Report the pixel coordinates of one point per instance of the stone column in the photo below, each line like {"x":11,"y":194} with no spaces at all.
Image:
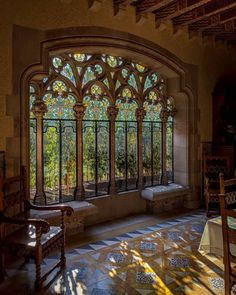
{"x":39,"y":109}
{"x":140,"y":114}
{"x":164,"y":117}
{"x":112,"y":112}
{"x":79,"y":110}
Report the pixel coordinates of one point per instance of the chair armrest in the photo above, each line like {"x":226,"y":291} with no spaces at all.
{"x":38,"y":223}
{"x":63,"y":208}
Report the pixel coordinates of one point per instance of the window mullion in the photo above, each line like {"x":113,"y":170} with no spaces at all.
{"x":140,"y":113}
{"x":112,"y":112}
{"x":79,"y":109}
{"x":39,"y":109}
{"x":163,"y":135}
{"x":96,"y":157}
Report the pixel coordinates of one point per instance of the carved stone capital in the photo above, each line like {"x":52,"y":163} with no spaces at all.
{"x":79,"y":110}
{"x":39,"y":108}
{"x":112,"y":112}
{"x":140,"y":114}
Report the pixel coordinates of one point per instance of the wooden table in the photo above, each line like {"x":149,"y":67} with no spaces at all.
{"x":212,"y":240}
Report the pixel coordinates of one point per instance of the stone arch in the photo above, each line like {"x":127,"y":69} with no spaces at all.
{"x":181,"y":79}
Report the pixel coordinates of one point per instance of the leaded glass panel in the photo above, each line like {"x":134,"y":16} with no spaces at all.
{"x":59,"y":104}
{"x":96,"y":109}
{"x":33,"y":154}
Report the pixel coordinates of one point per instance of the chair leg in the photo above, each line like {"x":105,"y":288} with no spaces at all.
{"x":63,"y":258}
{"x":38,"y":261}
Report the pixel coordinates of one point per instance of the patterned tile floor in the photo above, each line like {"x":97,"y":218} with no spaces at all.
{"x":159,"y":259}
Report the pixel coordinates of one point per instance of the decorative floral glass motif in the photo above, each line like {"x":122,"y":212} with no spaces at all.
{"x":126,"y":106}
{"x":59,"y":87}
{"x":151,"y":81}
{"x":79,"y":57}
{"x":112,"y":61}
{"x":59,"y":103}
{"x":68,"y":73}
{"x":95,"y":109}
{"x":32,"y":97}
{"x":57,"y":62}
{"x":152,"y":111}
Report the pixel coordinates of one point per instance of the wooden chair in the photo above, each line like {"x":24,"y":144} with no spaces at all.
{"x":212,"y":166}
{"x":32,"y":238}
{"x":227,"y":205}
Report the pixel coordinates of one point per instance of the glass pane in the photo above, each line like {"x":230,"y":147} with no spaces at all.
{"x":102,"y":157}
{"x":152,"y":111}
{"x":33,"y":150}
{"x":31,"y":100}
{"x":51,"y":157}
{"x":147,"y":154}
{"x":68,"y":160}
{"x":157,"y":153}
{"x":132,"y":160}
{"x":169,"y":152}
{"x":96,"y":109}
{"x":120,"y":168}
{"x":59,"y":106}
{"x":126,"y":110}
{"x":89,"y":158}
{"x":68,"y":73}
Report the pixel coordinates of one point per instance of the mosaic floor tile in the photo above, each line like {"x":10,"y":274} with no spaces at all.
{"x":160,"y":259}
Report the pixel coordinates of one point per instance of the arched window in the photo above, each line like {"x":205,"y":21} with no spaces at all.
{"x":99,"y":125}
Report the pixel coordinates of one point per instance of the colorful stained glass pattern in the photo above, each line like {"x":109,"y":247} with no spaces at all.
{"x":132,"y":82}
{"x":112,"y":61}
{"x":57,"y":62}
{"x":96,"y":109}
{"x":59,"y":107}
{"x":80,"y":57}
{"x":32,"y":97}
{"x":151,"y":81}
{"x":68,"y":73}
{"x":127,"y":110}
{"x":152,"y":111}
{"x":33,"y":151}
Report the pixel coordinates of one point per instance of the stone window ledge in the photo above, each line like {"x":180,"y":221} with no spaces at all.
{"x":75,"y":223}
{"x":161,"y":192}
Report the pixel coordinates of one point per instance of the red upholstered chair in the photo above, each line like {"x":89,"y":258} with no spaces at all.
{"x":30,"y":237}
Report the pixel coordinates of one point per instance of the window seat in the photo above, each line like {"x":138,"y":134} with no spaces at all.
{"x":75,"y":223}
{"x":165,"y":197}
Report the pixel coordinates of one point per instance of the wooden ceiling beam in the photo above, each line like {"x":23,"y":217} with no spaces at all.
{"x":214,"y":20}
{"x":203,"y":11}
{"x":145,"y":6}
{"x":177,"y":8}
{"x":119,"y":5}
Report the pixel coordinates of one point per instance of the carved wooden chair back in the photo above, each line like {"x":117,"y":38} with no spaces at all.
{"x":213,"y":165}
{"x":30,"y":237}
{"x":228,"y":216}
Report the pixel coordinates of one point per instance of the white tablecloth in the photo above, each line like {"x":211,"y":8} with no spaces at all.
{"x":212,"y":240}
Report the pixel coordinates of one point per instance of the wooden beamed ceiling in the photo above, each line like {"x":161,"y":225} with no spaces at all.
{"x":214,"y":19}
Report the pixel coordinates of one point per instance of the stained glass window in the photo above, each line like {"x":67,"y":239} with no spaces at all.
{"x":99,"y":81}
